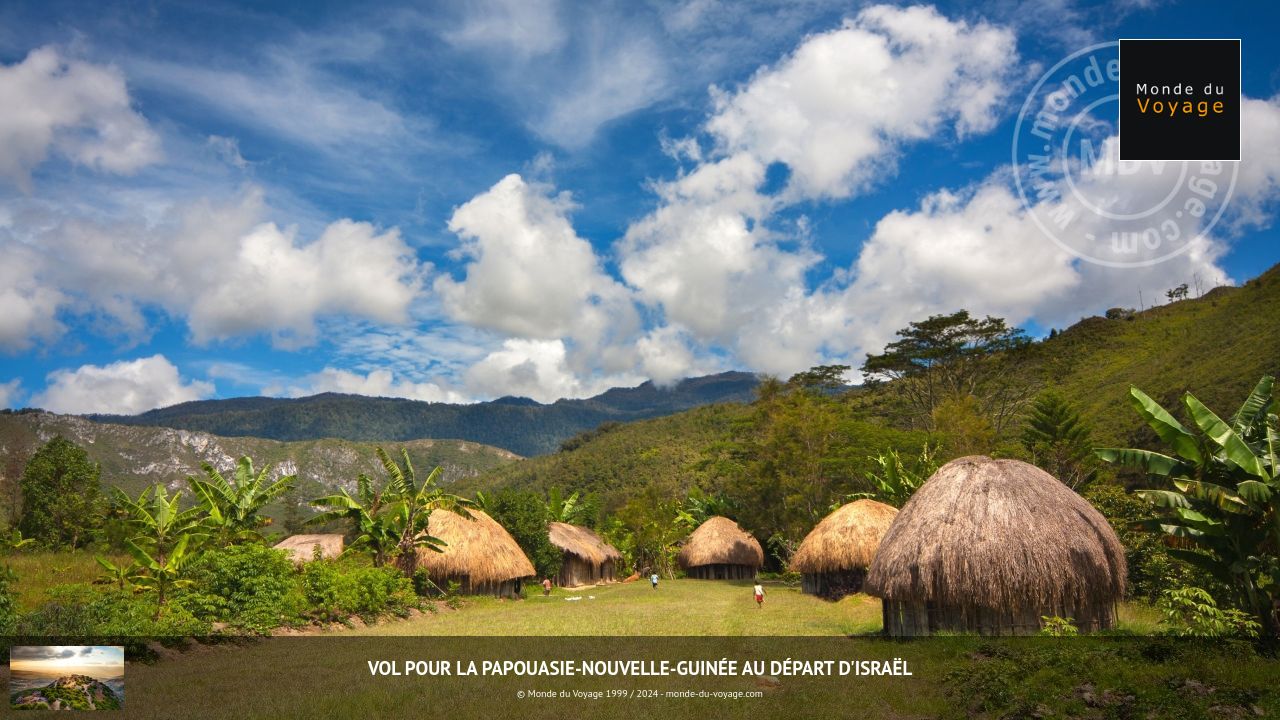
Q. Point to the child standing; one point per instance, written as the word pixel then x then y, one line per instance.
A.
pixel 759 590
pixel 653 579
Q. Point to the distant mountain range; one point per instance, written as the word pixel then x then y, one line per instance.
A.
pixel 134 457
pixel 519 425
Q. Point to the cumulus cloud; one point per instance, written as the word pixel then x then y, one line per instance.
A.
pixel 834 113
pixel 10 392
pixel 120 388
pixel 376 383
pixel 222 267
pixel 536 369
pixel 77 109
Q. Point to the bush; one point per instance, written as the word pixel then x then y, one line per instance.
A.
pixel 80 610
pixel 1152 571
pixel 1055 626
pixel 1192 612
pixel 335 590
pixel 7 611
pixel 250 587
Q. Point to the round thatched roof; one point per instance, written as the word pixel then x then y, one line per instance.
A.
pixel 582 542
pixel 301 548
pixel 999 534
pixel 845 539
pixel 479 548
pixel 719 541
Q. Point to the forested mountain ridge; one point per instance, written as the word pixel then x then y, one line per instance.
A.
pixel 520 425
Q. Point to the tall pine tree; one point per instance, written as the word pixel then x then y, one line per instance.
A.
pixel 1059 440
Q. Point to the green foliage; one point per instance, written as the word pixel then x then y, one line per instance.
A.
pixel 560 508
pixel 1054 626
pixel 1059 441
pixel 368 517
pixel 118 575
pixel 165 539
pixel 233 508
pixel 525 515
pixel 895 480
pixel 249 587
pixel 61 496
pixel 1192 612
pixel 335 589
pixel 78 610
pixel 13 542
pixel 8 610
pixel 1152 571
pixel 1223 513
pixel 964 428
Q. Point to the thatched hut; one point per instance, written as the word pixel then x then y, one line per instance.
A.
pixel 991 546
pixel 302 548
pixel 720 550
pixel 835 555
pixel 587 558
pixel 481 555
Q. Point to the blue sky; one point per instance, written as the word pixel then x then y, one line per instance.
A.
pixel 457 202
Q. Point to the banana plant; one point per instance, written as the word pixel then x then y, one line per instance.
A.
pixel 119 575
pixel 162 572
pixel 1223 513
pixel 14 541
pixel 234 507
pixel 413 507
pixel 367 515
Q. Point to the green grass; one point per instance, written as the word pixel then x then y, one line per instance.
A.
pixel 39 571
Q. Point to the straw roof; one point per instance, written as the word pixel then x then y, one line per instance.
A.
pixel 998 534
pixel 479 548
pixel 582 542
pixel 719 541
pixel 301 548
pixel 845 539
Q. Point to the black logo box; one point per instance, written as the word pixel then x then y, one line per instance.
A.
pixel 1186 68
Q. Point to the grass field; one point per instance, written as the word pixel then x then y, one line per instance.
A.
pixel 39 571
pixel 677 607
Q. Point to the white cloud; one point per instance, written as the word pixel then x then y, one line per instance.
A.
pixel 836 110
pixel 376 383
pixel 524 28
pixel 120 388
pixel 535 369
pixel 78 109
pixel 10 392
pixel 220 266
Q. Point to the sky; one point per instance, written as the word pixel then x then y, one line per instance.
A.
pixel 457 202
pixel 100 661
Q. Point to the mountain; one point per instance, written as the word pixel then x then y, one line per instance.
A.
pixel 1216 346
pixel 133 457
pixel 70 692
pixel 519 425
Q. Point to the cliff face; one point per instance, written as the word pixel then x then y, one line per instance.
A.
pixel 70 692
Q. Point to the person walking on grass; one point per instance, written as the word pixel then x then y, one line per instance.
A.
pixel 653 580
pixel 759 591
pixel 546 587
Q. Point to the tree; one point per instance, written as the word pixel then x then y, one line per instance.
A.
pixel 820 378
pixel 162 541
pixel 895 480
pixel 234 507
pixel 964 428
pixel 560 508
pixel 1223 513
pixel 367 516
pixel 1177 293
pixel 61 496
pixel 1059 441
pixel 949 356
pixel 524 514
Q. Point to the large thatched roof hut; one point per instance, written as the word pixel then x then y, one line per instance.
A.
pixel 990 546
pixel 587 558
pixel 481 555
pixel 835 555
pixel 720 550
pixel 302 548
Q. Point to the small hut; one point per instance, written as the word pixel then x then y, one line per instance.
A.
pixel 835 555
pixel 587 558
pixel 991 546
pixel 302 548
pixel 480 555
pixel 720 550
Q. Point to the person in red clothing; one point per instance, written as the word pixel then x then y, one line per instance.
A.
pixel 759 590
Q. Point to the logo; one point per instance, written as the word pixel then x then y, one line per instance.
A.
pixel 1068 172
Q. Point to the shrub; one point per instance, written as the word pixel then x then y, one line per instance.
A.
pixel 80 610
pixel 250 587
pixel 1192 612
pixel 7 611
pixel 335 590
pixel 1152 572
pixel 1058 627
